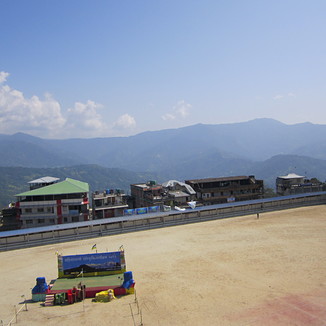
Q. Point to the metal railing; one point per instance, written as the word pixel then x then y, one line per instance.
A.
pixel 152 221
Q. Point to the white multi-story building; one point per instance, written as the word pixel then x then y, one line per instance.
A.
pixel 52 202
pixel 296 184
pixel 109 203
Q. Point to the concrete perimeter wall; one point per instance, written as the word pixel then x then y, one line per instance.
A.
pixel 91 229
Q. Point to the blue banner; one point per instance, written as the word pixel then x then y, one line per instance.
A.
pixel 142 210
pixel 128 211
pixel 90 263
pixel 153 209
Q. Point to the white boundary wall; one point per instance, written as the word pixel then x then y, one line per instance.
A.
pixel 76 231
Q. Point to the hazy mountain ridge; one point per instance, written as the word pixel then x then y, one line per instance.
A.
pixel 265 148
pixel 255 140
pixel 15 179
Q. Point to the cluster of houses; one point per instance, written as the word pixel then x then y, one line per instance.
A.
pixel 50 201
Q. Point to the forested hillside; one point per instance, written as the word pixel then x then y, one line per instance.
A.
pixel 14 180
pixel 265 148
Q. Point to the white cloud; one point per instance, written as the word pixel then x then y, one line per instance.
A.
pixel 182 108
pixel 45 117
pixel 180 111
pixel 125 121
pixel 278 97
pixel 84 119
pixel 18 113
pixel 3 76
pixel 168 116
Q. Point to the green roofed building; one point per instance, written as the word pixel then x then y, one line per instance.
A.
pixel 53 203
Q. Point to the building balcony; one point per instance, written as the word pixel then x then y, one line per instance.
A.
pixel 37 216
pixel 110 194
pixel 108 207
pixel 231 188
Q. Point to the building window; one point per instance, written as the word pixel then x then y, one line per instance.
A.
pixel 65 219
pixel 74 207
pixel 50 209
pixel 75 218
pixel 52 221
pixel 40 220
pixel 29 221
pixel 40 210
pixel 28 210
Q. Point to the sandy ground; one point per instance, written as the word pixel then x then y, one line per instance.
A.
pixel 239 271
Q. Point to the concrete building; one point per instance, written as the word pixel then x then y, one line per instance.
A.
pixel 171 193
pixel 296 184
pixel 54 203
pixel 10 219
pixel 108 203
pixel 227 189
pixel 147 194
pixel 177 193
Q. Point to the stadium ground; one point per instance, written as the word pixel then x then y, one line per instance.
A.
pixel 239 271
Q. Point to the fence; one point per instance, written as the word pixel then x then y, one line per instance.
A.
pixel 84 230
pixel 14 319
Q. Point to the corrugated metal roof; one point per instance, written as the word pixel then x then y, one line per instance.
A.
pixel 178 193
pixel 173 183
pixel 218 179
pixel 68 186
pixel 45 180
pixel 291 176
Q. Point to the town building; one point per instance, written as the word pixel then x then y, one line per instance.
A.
pixel 108 203
pixel 146 194
pixel 171 193
pixel 296 184
pixel 177 193
pixel 10 219
pixel 211 191
pixel 54 203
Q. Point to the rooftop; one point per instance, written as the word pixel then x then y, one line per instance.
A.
pixel 45 180
pixel 68 186
pixel 291 176
pixel 218 179
pixel 173 183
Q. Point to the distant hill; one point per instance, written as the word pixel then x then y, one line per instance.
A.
pixel 14 180
pixel 215 165
pixel 265 148
pixel 255 140
pixel 27 151
pixel 280 165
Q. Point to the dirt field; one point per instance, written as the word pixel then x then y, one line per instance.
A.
pixel 239 271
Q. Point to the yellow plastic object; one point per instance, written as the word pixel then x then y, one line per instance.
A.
pixel 102 296
pixel 105 296
pixel 130 290
pixel 111 294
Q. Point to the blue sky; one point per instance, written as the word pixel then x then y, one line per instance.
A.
pixel 116 68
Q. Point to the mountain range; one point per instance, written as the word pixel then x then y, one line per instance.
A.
pixel 265 148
